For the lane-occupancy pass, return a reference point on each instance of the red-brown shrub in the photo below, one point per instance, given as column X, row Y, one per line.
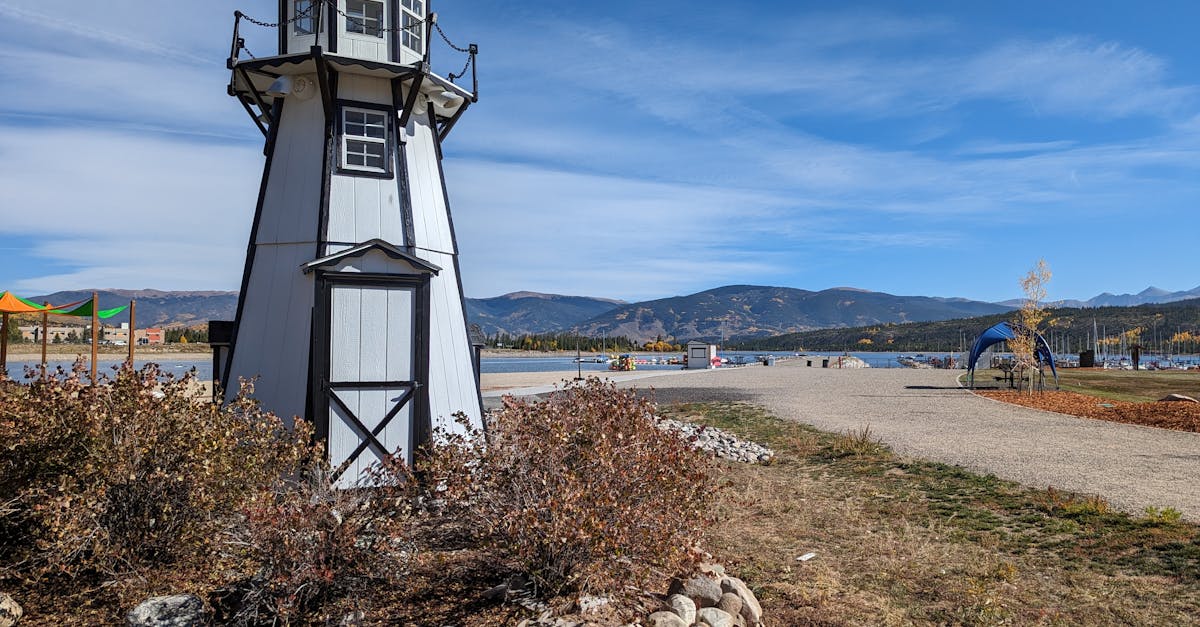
column 109, row 482
column 582, row 491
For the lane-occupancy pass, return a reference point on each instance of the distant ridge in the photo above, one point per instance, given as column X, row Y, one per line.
column 1149, row 296
column 759, row 311
column 156, row 307
column 520, row 313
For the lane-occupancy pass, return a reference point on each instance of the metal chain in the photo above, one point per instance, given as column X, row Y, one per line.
column 299, row 16
column 463, row 73
column 447, row 39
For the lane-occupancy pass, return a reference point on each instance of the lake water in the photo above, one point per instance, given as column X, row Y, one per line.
column 106, row 365
column 178, row 366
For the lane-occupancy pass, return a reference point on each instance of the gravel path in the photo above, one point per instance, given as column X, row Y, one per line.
column 924, row 414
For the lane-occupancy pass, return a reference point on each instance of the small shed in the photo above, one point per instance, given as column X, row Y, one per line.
column 702, row 355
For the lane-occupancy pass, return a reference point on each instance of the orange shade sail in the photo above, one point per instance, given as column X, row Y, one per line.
column 11, row 303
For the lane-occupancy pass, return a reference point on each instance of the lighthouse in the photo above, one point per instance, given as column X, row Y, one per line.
column 351, row 312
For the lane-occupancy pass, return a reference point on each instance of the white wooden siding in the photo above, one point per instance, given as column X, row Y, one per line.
column 276, row 320
column 371, row 339
column 452, row 386
column 364, row 208
column 431, row 223
column 292, row 203
column 364, row 89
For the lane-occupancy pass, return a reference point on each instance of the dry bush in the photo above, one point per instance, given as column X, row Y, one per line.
column 308, row 550
column 581, row 490
column 109, row 484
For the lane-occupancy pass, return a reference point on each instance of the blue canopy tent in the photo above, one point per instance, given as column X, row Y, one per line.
column 1003, row 331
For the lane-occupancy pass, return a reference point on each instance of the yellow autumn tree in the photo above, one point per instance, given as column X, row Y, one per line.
column 1028, row 320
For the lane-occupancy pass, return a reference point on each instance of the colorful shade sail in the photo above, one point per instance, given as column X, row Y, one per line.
column 85, row 310
column 11, row 303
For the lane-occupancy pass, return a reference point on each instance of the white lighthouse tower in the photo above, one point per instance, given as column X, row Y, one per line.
column 351, row 311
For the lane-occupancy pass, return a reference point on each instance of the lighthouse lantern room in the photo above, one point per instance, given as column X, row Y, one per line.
column 351, row 311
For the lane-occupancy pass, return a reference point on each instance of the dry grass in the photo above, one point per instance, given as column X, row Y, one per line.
column 903, row 542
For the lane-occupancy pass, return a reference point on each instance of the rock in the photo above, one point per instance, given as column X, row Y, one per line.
column 666, row 619
column 702, row 589
column 10, row 610
column 682, row 606
column 179, row 610
column 353, row 619
column 714, row 617
column 1177, row 398
column 715, row 570
column 730, row 602
column 589, row 604
column 751, row 610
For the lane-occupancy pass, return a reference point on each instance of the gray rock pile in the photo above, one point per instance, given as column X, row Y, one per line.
column 710, row 598
column 717, row 442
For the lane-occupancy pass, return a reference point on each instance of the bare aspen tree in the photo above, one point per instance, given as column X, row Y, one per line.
column 1029, row 318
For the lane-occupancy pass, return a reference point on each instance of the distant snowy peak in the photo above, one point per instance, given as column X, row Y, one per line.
column 1149, row 296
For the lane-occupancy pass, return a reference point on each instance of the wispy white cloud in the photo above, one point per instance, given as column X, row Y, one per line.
column 1073, row 75
column 149, row 209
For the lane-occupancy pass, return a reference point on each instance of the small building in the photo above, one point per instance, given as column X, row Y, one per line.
column 120, row 335
column 702, row 355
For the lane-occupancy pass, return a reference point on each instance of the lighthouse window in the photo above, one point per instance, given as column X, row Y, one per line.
column 303, row 10
column 364, row 140
column 412, row 33
column 364, row 17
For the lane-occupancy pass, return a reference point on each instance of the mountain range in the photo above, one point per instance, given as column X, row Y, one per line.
column 155, row 307
column 1149, row 296
column 741, row 311
column 757, row 311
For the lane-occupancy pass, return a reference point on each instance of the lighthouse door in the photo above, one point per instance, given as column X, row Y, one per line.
column 371, row 379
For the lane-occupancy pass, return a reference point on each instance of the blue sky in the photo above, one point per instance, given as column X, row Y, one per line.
column 639, row 150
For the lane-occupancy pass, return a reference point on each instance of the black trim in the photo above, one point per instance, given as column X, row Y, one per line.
column 326, row 80
column 433, row 132
column 327, row 166
column 410, row 101
column 393, row 8
column 389, row 150
column 462, row 297
column 449, row 124
column 258, row 99
column 332, row 29
column 253, row 116
column 283, row 30
column 405, row 190
column 251, row 247
column 395, row 70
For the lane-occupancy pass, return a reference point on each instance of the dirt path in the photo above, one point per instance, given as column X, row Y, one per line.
column 923, row 413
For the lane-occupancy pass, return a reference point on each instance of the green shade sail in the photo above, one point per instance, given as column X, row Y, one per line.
column 85, row 310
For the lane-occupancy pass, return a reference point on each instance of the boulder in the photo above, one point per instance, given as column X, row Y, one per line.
column 179, row 610
column 704, row 590
column 1177, row 398
column 730, row 602
column 751, row 610
column 684, row 607
column 589, row 604
column 666, row 619
column 10, row 610
column 714, row 617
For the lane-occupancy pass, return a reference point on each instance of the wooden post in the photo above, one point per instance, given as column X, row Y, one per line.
column 45, row 329
column 132, row 331
column 95, row 332
column 4, row 347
